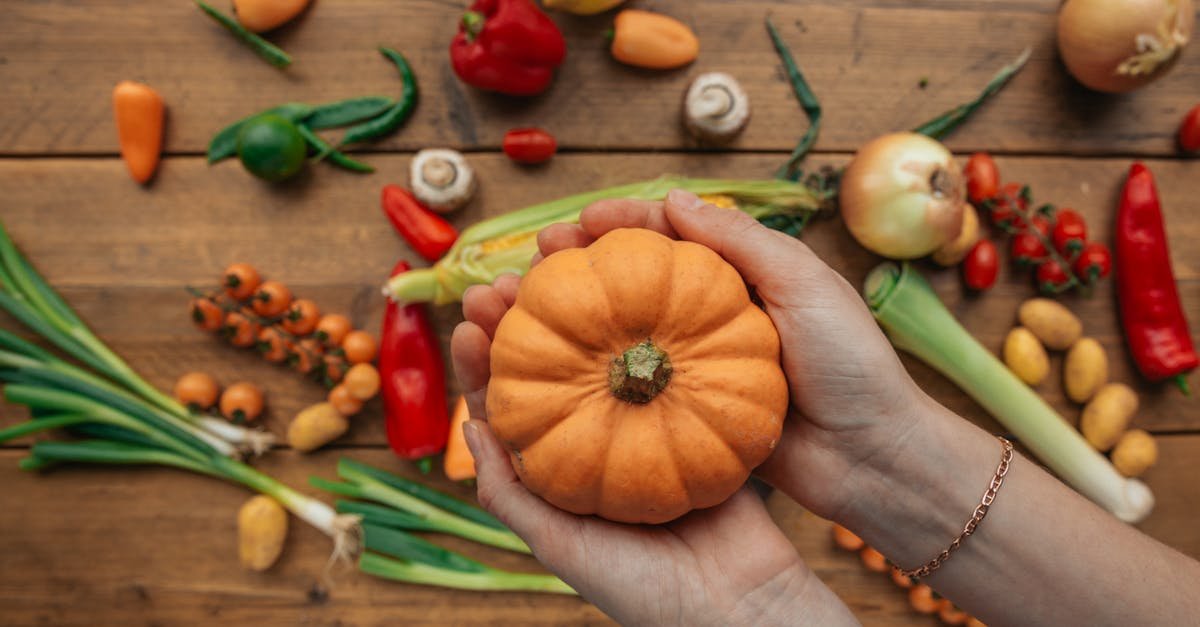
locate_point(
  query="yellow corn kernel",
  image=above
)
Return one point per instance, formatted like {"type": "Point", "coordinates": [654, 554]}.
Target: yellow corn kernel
{"type": "Point", "coordinates": [505, 242]}
{"type": "Point", "coordinates": [723, 201]}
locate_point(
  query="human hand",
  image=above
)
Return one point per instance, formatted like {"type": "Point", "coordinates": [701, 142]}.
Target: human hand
{"type": "Point", "coordinates": [728, 564]}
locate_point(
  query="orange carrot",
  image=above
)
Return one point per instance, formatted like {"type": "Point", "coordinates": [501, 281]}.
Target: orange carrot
{"type": "Point", "coordinates": [950, 614]}
{"type": "Point", "coordinates": [845, 539]}
{"type": "Point", "coordinates": [139, 114]}
{"type": "Point", "coordinates": [923, 599]}
{"type": "Point", "coordinates": [900, 579]}
{"type": "Point", "coordinates": [457, 460]}
{"type": "Point", "coordinates": [873, 560]}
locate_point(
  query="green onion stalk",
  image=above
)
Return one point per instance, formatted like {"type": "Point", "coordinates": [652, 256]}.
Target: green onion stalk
{"type": "Point", "coordinates": [508, 242]}
{"type": "Point", "coordinates": [917, 322]}
{"type": "Point", "coordinates": [29, 298]}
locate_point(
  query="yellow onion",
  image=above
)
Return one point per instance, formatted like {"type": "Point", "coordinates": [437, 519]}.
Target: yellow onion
{"type": "Point", "coordinates": [902, 196]}
{"type": "Point", "coordinates": [1117, 46]}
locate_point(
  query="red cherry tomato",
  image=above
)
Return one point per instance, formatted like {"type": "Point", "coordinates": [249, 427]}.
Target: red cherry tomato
{"type": "Point", "coordinates": [1009, 206]}
{"type": "Point", "coordinates": [1094, 263]}
{"type": "Point", "coordinates": [983, 178]}
{"type": "Point", "coordinates": [1052, 277]}
{"type": "Point", "coordinates": [982, 266]}
{"type": "Point", "coordinates": [1070, 231]}
{"type": "Point", "coordinates": [1027, 249]}
{"type": "Point", "coordinates": [529, 145]}
{"type": "Point", "coordinates": [1189, 131]}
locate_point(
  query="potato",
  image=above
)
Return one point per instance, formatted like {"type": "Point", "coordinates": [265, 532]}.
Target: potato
{"type": "Point", "coordinates": [1051, 322]}
{"type": "Point", "coordinates": [1085, 370]}
{"type": "Point", "coordinates": [315, 426]}
{"type": "Point", "coordinates": [1025, 356]}
{"type": "Point", "coordinates": [1108, 414]}
{"type": "Point", "coordinates": [262, 528]}
{"type": "Point", "coordinates": [954, 252]}
{"type": "Point", "coordinates": [1135, 452]}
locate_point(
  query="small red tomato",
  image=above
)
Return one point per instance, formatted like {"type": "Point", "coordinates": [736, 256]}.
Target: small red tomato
{"type": "Point", "coordinates": [529, 145]}
{"type": "Point", "coordinates": [1070, 232]}
{"type": "Point", "coordinates": [1189, 131]}
{"type": "Point", "coordinates": [982, 266]}
{"type": "Point", "coordinates": [240, 280]}
{"type": "Point", "coordinates": [272, 345]}
{"type": "Point", "coordinates": [1042, 225]}
{"type": "Point", "coordinates": [1052, 277]}
{"type": "Point", "coordinates": [359, 347]}
{"type": "Point", "coordinates": [1010, 205]}
{"type": "Point", "coordinates": [1026, 249]}
{"type": "Point", "coordinates": [271, 299]}
{"type": "Point", "coordinates": [983, 178]}
{"type": "Point", "coordinates": [1094, 262]}
{"type": "Point", "coordinates": [241, 330]}
{"type": "Point", "coordinates": [302, 317]}
{"type": "Point", "coordinates": [206, 314]}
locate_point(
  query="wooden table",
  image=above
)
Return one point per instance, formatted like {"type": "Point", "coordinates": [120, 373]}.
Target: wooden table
{"type": "Point", "coordinates": [89, 546]}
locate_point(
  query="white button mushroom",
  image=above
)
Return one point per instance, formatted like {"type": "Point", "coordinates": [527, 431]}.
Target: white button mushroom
{"type": "Point", "coordinates": [716, 108]}
{"type": "Point", "coordinates": [441, 179]}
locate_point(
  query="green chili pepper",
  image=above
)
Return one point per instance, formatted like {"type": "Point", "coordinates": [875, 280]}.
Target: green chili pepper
{"type": "Point", "coordinates": [343, 112]}
{"type": "Point", "coordinates": [224, 143]}
{"type": "Point", "coordinates": [391, 119]}
{"type": "Point", "coordinates": [324, 150]}
{"type": "Point", "coordinates": [264, 48]}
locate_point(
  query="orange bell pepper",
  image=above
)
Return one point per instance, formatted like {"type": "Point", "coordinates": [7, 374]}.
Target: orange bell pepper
{"type": "Point", "coordinates": [140, 114]}
{"type": "Point", "coordinates": [653, 40]}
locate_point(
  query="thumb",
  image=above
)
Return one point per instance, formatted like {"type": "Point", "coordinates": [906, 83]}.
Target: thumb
{"type": "Point", "coordinates": [766, 259]}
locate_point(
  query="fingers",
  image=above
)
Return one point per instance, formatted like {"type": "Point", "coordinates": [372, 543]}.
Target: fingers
{"type": "Point", "coordinates": [485, 306]}
{"type": "Point", "coordinates": [557, 237]}
{"type": "Point", "coordinates": [470, 352]}
{"type": "Point", "coordinates": [501, 492]}
{"type": "Point", "coordinates": [605, 215]}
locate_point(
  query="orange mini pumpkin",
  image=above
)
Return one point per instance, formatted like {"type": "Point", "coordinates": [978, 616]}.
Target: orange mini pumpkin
{"type": "Point", "coordinates": [634, 379]}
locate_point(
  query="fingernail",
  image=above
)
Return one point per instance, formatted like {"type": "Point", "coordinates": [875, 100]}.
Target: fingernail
{"type": "Point", "coordinates": [471, 435]}
{"type": "Point", "coordinates": [684, 199]}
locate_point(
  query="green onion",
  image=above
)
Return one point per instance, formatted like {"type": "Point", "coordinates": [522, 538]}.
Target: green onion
{"type": "Point", "coordinates": [378, 514]}
{"type": "Point", "coordinates": [917, 322]}
{"type": "Point", "coordinates": [425, 493]}
{"type": "Point", "coordinates": [402, 545]}
{"type": "Point", "coordinates": [492, 579]}
{"type": "Point", "coordinates": [808, 102]}
{"type": "Point", "coordinates": [941, 126]}
{"type": "Point", "coordinates": [506, 243]}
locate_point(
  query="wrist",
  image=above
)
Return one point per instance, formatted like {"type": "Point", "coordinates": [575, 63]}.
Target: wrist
{"type": "Point", "coordinates": [795, 596]}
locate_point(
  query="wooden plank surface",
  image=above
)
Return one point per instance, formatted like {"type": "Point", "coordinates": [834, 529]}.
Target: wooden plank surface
{"type": "Point", "coordinates": [59, 60]}
{"type": "Point", "coordinates": [84, 546]}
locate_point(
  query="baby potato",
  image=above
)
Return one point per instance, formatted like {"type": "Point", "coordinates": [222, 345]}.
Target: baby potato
{"type": "Point", "coordinates": [315, 426]}
{"type": "Point", "coordinates": [1085, 370]}
{"type": "Point", "coordinates": [1051, 322]}
{"type": "Point", "coordinates": [1025, 356]}
{"type": "Point", "coordinates": [1108, 414]}
{"type": "Point", "coordinates": [1135, 452]}
{"type": "Point", "coordinates": [262, 527]}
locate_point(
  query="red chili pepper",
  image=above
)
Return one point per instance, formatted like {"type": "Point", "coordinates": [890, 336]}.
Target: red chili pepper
{"type": "Point", "coordinates": [507, 46]}
{"type": "Point", "coordinates": [428, 233]}
{"type": "Point", "coordinates": [529, 145]}
{"type": "Point", "coordinates": [1189, 131]}
{"type": "Point", "coordinates": [413, 382]}
{"type": "Point", "coordinates": [1151, 313]}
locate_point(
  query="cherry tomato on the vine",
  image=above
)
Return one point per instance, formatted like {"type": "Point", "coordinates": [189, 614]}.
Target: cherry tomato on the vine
{"type": "Point", "coordinates": [1070, 231]}
{"type": "Point", "coordinates": [272, 345]}
{"type": "Point", "coordinates": [1026, 249]}
{"type": "Point", "coordinates": [240, 281]}
{"type": "Point", "coordinates": [1009, 206]}
{"type": "Point", "coordinates": [1094, 262]}
{"type": "Point", "coordinates": [206, 314]}
{"type": "Point", "coordinates": [529, 145]}
{"type": "Point", "coordinates": [302, 317]}
{"type": "Point", "coordinates": [240, 329]}
{"type": "Point", "coordinates": [1052, 277]}
{"type": "Point", "coordinates": [271, 299]}
{"type": "Point", "coordinates": [983, 178]}
{"type": "Point", "coordinates": [982, 266]}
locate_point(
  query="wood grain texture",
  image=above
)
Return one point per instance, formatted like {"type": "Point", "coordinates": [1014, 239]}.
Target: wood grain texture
{"type": "Point", "coordinates": [92, 545]}
{"type": "Point", "coordinates": [865, 60]}
{"type": "Point", "coordinates": [122, 255]}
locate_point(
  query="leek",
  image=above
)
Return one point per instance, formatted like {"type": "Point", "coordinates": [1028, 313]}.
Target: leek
{"type": "Point", "coordinates": [917, 322]}
{"type": "Point", "coordinates": [508, 242]}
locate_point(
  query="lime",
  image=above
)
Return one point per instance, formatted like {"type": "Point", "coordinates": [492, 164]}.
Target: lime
{"type": "Point", "coordinates": [271, 147]}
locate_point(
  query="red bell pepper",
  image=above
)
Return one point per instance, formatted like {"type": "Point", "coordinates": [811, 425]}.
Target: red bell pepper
{"type": "Point", "coordinates": [507, 46]}
{"type": "Point", "coordinates": [414, 382]}
{"type": "Point", "coordinates": [428, 233]}
{"type": "Point", "coordinates": [1151, 313]}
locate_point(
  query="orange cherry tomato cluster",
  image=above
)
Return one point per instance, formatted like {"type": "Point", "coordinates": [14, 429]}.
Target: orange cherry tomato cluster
{"type": "Point", "coordinates": [252, 312]}
{"type": "Point", "coordinates": [1053, 241]}
{"type": "Point", "coordinates": [241, 402]}
{"type": "Point", "coordinates": [921, 597]}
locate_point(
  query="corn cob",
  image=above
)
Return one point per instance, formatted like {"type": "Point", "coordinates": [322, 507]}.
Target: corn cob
{"type": "Point", "coordinates": [508, 242]}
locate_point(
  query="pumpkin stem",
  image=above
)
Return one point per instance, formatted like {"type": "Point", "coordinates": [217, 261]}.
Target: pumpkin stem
{"type": "Point", "coordinates": [640, 373]}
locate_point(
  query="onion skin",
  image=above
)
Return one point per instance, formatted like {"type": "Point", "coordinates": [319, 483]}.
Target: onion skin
{"type": "Point", "coordinates": [902, 196]}
{"type": "Point", "coordinates": [1095, 37]}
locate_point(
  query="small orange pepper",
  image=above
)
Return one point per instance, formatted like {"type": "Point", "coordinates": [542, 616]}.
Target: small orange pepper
{"type": "Point", "coordinates": [653, 40]}
{"type": "Point", "coordinates": [139, 113]}
{"type": "Point", "coordinates": [457, 461]}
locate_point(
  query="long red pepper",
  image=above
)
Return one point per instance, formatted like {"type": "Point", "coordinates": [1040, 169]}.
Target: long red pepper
{"type": "Point", "coordinates": [428, 233]}
{"type": "Point", "coordinates": [1155, 326]}
{"type": "Point", "coordinates": [414, 382]}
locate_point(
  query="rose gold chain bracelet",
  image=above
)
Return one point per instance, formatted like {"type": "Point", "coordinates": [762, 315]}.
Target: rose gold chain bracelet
{"type": "Point", "coordinates": [981, 510]}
